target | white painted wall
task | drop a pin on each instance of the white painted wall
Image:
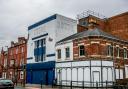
(57, 29)
(63, 51)
(77, 71)
(126, 71)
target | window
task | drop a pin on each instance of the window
(118, 52)
(10, 52)
(4, 75)
(35, 44)
(40, 43)
(67, 50)
(39, 56)
(43, 42)
(22, 49)
(59, 54)
(36, 58)
(43, 57)
(125, 53)
(21, 75)
(12, 62)
(81, 50)
(21, 62)
(11, 75)
(5, 62)
(16, 50)
(110, 50)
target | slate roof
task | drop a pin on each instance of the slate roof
(91, 33)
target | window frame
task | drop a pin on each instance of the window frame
(59, 54)
(125, 52)
(67, 50)
(82, 50)
(110, 49)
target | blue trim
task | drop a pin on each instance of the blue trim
(50, 55)
(40, 36)
(42, 22)
(29, 58)
(41, 65)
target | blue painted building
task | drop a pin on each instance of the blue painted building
(43, 36)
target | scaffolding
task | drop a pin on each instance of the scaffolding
(88, 13)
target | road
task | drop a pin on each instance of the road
(32, 88)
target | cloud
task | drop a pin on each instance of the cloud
(17, 15)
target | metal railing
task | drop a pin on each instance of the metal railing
(89, 85)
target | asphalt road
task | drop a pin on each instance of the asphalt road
(32, 88)
(26, 88)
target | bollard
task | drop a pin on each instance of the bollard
(71, 84)
(96, 85)
(41, 83)
(83, 84)
(60, 84)
(106, 85)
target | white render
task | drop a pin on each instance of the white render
(126, 71)
(77, 72)
(57, 29)
(69, 45)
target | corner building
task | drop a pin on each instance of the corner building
(91, 56)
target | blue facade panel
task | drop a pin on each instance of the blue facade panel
(42, 22)
(42, 50)
(51, 76)
(29, 77)
(39, 51)
(41, 72)
(36, 51)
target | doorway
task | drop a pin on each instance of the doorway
(96, 77)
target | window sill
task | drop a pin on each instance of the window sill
(81, 56)
(67, 58)
(109, 56)
(118, 57)
(125, 58)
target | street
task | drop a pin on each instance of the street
(19, 87)
(25, 88)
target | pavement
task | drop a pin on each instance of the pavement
(33, 86)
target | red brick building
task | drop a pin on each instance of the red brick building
(115, 25)
(3, 63)
(100, 40)
(14, 60)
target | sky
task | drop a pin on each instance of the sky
(17, 15)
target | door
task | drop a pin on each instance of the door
(96, 77)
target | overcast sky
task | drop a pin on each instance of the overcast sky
(17, 15)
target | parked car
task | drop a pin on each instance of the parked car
(6, 84)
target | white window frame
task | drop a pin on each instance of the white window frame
(58, 54)
(110, 51)
(21, 75)
(67, 52)
(125, 53)
(118, 52)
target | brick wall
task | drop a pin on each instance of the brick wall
(97, 48)
(18, 53)
(118, 25)
(115, 25)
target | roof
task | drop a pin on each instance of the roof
(91, 33)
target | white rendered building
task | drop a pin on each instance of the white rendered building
(41, 46)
